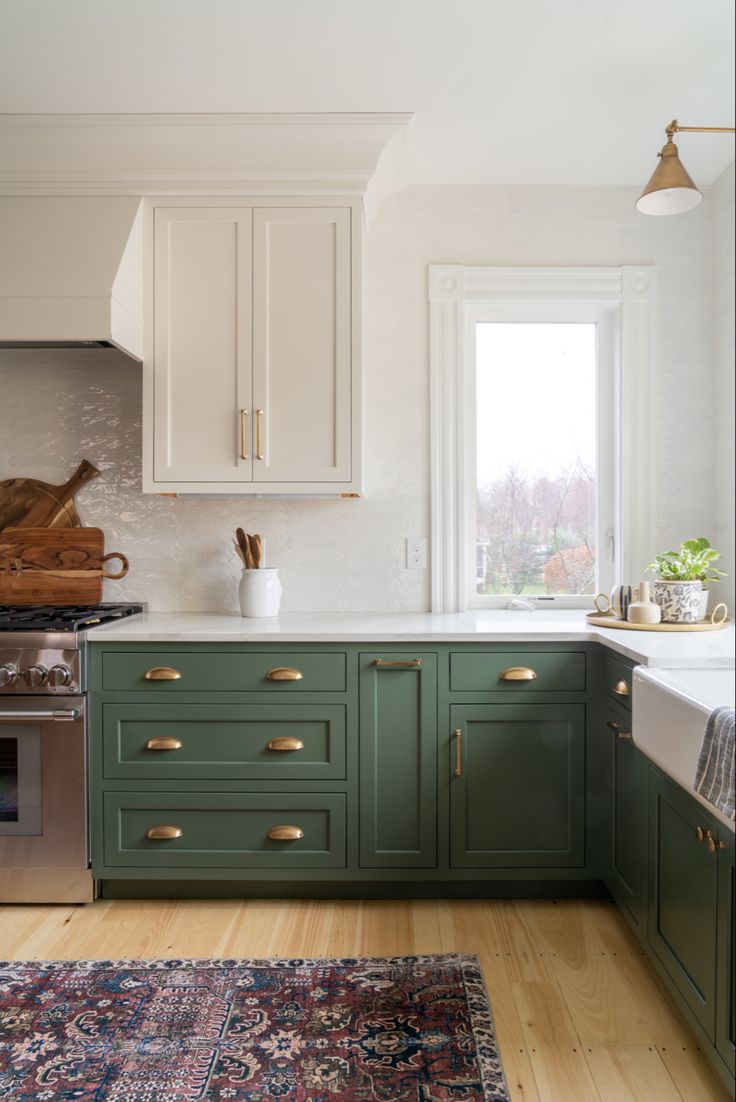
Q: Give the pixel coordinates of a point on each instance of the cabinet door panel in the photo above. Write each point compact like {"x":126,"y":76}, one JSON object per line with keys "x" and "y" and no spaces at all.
{"x":302,"y":344}
{"x":202,"y":301}
{"x":398,"y":763}
{"x":628,"y":854}
{"x":683,"y":896}
{"x":519,"y":801}
{"x":726,"y":979}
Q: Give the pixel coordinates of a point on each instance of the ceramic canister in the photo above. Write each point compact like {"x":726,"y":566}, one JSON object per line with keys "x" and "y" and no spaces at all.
{"x":260,"y":592}
{"x":619,"y":601}
{"x":679,"y":601}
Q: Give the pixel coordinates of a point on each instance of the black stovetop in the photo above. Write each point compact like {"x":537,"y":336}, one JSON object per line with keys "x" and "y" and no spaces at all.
{"x":59,"y":618}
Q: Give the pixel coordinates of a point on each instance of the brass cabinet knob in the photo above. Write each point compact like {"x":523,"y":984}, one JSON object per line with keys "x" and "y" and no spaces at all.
{"x":285,"y":744}
{"x":517,"y":673}
{"x":621,"y":688}
{"x":284,"y":673}
{"x":618,"y":731}
{"x":164,"y":832}
{"x":162,"y":673}
{"x":164,"y":742}
{"x":285,"y":833}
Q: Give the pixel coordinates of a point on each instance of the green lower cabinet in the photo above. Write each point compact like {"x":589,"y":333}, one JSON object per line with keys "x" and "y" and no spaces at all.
{"x":518,"y":785}
{"x":628,"y":770}
{"x":398,"y":760}
{"x":726,"y":955}
{"x":216,"y":830}
{"x":683,"y":896}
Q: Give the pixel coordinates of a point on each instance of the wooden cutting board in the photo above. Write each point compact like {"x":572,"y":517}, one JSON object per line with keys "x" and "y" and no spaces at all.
{"x":54,"y":566}
{"x":30,"y":503}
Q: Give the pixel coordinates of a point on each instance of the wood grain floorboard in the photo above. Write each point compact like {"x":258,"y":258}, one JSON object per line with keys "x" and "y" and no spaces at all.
{"x":579,"y":1014}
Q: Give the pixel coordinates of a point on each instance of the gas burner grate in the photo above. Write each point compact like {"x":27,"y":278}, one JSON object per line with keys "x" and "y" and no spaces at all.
{"x":58,"y":618}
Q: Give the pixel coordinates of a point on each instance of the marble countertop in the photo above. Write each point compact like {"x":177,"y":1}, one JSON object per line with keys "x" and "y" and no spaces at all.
{"x":666,"y":650}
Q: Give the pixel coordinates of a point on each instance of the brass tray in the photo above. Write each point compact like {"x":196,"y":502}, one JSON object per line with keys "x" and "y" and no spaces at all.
{"x":606,"y":620}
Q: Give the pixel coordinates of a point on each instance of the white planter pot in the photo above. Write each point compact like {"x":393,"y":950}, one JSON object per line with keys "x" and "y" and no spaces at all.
{"x":704,"y":595}
{"x":260,"y":592}
{"x":679,"y":601}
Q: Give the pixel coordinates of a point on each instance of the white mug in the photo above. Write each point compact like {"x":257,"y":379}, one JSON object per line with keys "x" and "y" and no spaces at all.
{"x":618,"y":603}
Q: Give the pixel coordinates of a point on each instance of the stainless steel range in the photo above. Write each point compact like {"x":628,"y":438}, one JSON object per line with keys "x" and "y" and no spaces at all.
{"x":44,"y":848}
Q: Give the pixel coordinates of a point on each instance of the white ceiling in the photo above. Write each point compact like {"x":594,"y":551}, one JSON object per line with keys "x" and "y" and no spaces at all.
{"x":503,"y":91}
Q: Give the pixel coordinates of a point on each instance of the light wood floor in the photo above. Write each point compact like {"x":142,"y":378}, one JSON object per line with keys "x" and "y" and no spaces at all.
{"x":579,"y":1015}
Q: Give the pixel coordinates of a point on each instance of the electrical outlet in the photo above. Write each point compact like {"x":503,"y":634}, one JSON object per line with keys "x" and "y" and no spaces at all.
{"x":416,"y":553}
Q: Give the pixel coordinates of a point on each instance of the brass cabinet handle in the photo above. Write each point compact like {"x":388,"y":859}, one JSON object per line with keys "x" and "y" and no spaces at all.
{"x":259,"y":434}
{"x":458,"y":752}
{"x":164,"y":832}
{"x":163,"y":742}
{"x":284,"y":673}
{"x":243,"y":433}
{"x":617,"y":730}
{"x":285,"y":744}
{"x":409,"y":664}
{"x":699,"y":834}
{"x":285,"y":833}
{"x":621,"y":688}
{"x":162,"y":673}
{"x":517,"y":673}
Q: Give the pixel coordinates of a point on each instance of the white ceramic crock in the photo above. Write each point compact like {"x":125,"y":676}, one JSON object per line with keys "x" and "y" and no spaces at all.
{"x":260,"y":592}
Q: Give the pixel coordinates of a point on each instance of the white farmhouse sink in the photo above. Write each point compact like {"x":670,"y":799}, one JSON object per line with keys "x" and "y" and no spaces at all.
{"x":670,"y":709}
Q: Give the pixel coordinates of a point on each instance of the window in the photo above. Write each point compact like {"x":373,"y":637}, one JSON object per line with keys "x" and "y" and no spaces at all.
{"x":535,"y":374}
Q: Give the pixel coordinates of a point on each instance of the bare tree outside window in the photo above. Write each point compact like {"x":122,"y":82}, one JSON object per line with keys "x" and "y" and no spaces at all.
{"x":536,"y":458}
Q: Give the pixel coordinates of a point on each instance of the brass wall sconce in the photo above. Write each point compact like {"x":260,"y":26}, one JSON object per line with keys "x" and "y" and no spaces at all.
{"x":670,"y":190}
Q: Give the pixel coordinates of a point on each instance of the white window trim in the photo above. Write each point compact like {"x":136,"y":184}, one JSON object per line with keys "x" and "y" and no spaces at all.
{"x":622,"y":298}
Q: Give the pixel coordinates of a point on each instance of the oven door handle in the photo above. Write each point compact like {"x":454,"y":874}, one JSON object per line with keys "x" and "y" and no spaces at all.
{"x":67,"y":715}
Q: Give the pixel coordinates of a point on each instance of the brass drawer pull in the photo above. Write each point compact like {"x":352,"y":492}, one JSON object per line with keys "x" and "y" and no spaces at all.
{"x":259,"y":434}
{"x":285,"y":833}
{"x":164,"y":742}
{"x":409,"y":664}
{"x":621,"y":688}
{"x":285,"y":744}
{"x":284,"y":673}
{"x":458,"y":753}
{"x":517,"y":673}
{"x":618,"y":732}
{"x":162,"y":673}
{"x":243,"y":433}
{"x":164,"y":832}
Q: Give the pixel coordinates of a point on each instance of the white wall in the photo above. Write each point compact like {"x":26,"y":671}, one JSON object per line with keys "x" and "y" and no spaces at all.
{"x":348,"y":555}
{"x":723,"y":414}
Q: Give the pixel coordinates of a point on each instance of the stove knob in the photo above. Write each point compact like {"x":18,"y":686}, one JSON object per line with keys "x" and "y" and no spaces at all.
{"x":59,"y":676}
{"x":34,"y":676}
{"x":8,"y":674}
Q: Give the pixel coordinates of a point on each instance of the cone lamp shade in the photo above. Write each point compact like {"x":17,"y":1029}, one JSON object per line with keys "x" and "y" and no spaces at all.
{"x":669,"y":190}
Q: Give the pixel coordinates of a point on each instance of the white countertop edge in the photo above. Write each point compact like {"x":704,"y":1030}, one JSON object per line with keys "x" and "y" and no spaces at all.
{"x":665,"y":650}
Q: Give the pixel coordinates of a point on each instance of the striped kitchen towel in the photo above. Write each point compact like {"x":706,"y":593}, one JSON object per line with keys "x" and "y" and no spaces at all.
{"x":714,"y":773}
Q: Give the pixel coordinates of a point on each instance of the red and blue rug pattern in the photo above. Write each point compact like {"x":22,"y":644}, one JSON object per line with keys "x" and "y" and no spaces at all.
{"x":403,"y":1029}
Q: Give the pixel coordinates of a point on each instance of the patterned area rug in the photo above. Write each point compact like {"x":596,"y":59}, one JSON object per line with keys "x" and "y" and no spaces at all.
{"x":404,"y":1029}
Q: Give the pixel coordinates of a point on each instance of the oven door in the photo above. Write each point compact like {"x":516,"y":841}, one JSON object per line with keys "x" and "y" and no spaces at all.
{"x":44,"y":853}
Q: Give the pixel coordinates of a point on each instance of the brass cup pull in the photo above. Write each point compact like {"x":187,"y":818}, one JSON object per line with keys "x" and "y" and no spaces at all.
{"x":409,"y":664}
{"x":162,"y":673}
{"x":285,"y":744}
{"x":699,"y":834}
{"x":243,"y":433}
{"x":164,"y":833}
{"x":618,"y":730}
{"x":517,"y":673}
{"x":458,"y":752}
{"x":164,"y":742}
{"x":284,"y":673}
{"x":285,"y":833}
{"x":621,"y":688}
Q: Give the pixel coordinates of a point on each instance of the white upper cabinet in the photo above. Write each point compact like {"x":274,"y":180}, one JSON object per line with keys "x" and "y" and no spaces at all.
{"x":251,"y":375}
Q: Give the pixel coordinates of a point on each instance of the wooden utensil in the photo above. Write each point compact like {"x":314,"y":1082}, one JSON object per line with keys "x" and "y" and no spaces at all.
{"x":244,"y":547}
{"x":254,"y":543}
{"x":30,"y":503}
{"x":55,"y":566}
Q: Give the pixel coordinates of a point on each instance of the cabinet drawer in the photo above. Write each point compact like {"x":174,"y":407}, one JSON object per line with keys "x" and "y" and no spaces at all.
{"x":299,"y":742}
{"x":617,"y":681}
{"x":224,"y":830}
{"x":207,"y":671}
{"x":483,"y":671}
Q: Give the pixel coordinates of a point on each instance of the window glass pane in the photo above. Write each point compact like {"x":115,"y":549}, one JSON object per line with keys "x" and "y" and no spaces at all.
{"x":536,"y":458}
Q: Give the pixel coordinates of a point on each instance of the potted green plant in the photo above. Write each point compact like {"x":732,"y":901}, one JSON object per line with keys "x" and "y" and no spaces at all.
{"x":682,"y":577}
